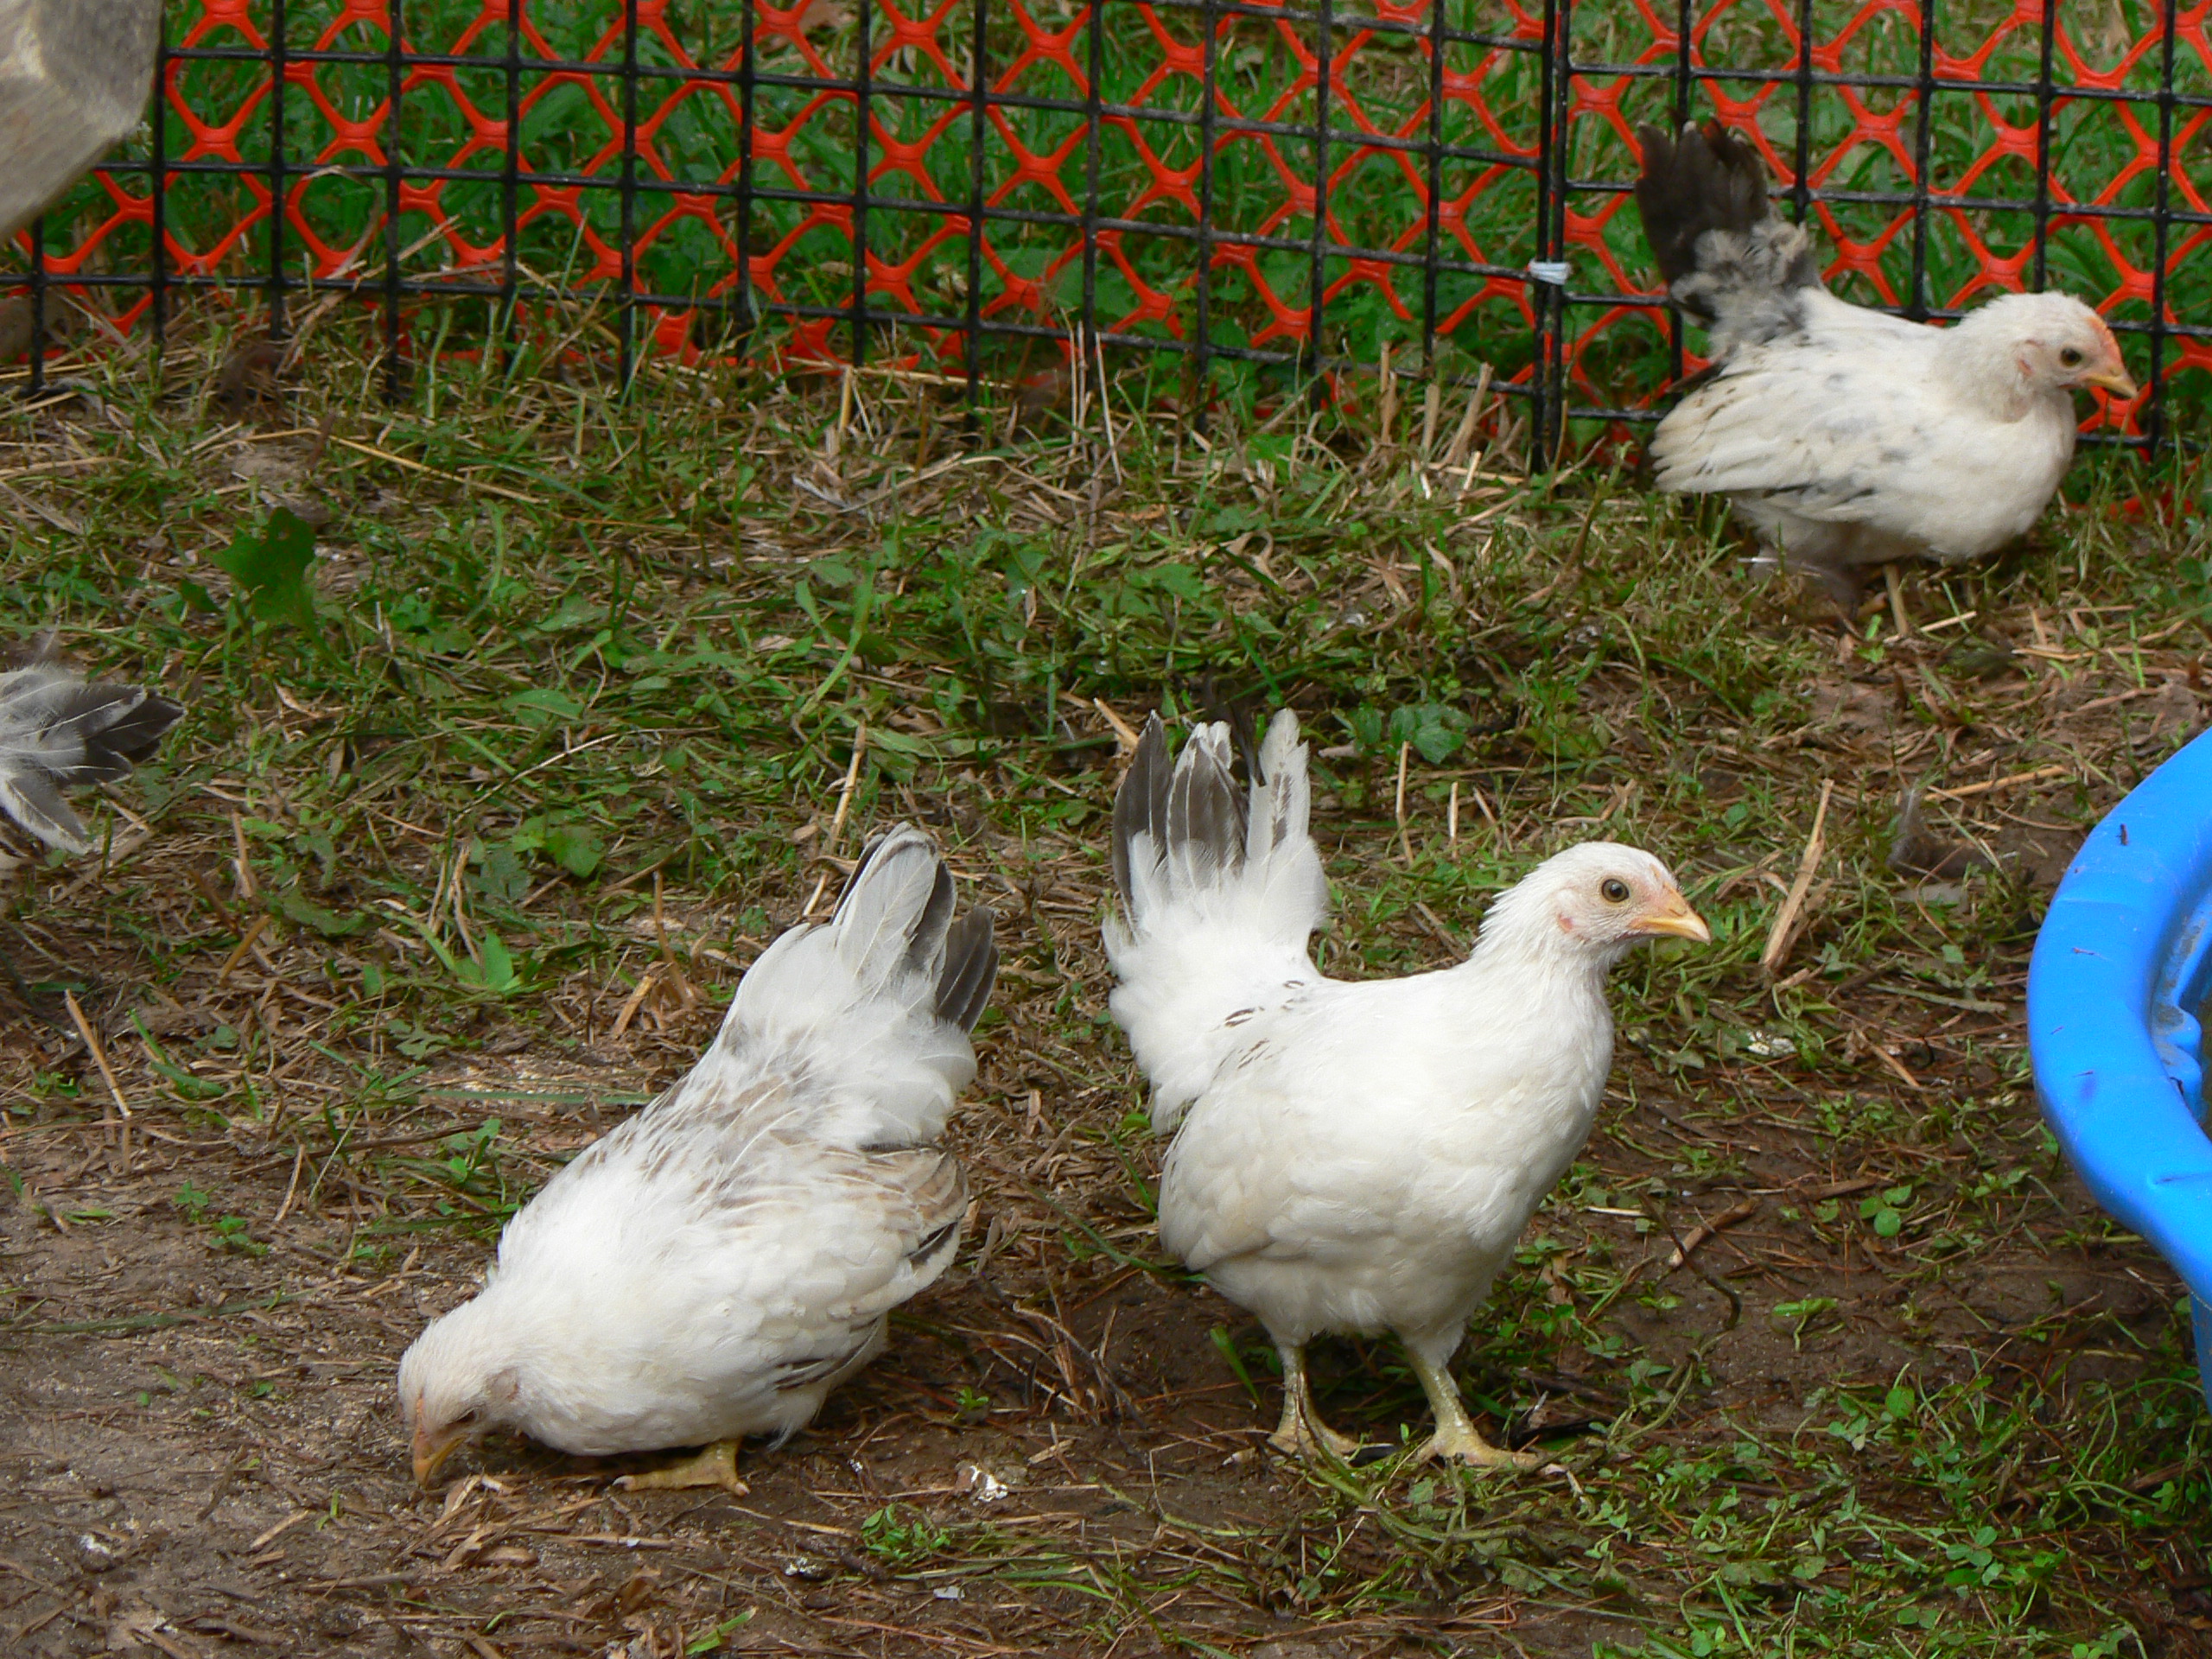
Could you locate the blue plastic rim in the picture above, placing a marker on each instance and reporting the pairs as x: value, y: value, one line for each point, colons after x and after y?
x: 2121, y: 971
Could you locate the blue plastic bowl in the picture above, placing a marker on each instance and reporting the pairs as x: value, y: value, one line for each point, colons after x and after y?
x: 2115, y: 995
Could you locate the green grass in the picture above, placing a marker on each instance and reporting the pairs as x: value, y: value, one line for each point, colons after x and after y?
x: 494, y: 759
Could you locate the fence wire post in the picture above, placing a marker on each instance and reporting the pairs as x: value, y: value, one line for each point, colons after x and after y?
x: 2043, y: 145
x: 627, y: 308
x: 979, y: 93
x: 395, y: 76
x: 746, y: 316
x: 1316, y: 299
x: 863, y: 82
x: 1435, y: 227
x: 1924, y: 150
x: 1202, y: 385
x: 279, y: 73
x: 1088, y: 341
x: 1685, y: 23
x: 1801, y: 182
x: 37, y: 382
x: 1550, y: 187
x: 2161, y: 222
x: 157, y: 118
x: 510, y: 194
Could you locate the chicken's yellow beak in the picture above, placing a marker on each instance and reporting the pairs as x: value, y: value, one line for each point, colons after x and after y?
x: 1672, y: 918
x: 433, y: 1449
x: 2115, y: 380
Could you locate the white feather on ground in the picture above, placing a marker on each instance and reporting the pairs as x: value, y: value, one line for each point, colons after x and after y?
x: 1354, y: 1157
x: 58, y: 730
x: 1847, y: 437
x: 715, y: 1266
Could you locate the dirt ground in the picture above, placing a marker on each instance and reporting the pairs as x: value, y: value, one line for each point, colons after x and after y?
x: 201, y: 1449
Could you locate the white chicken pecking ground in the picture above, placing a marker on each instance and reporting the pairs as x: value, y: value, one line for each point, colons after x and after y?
x: 1355, y: 1157
x: 1847, y: 437
x: 59, y: 730
x: 718, y: 1264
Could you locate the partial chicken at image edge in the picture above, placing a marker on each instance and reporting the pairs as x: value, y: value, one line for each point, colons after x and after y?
x: 718, y: 1264
x: 1846, y: 438
x: 59, y: 730
x: 1354, y: 1157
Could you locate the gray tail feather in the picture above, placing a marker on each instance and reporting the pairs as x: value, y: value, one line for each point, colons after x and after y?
x: 899, y: 906
x: 1281, y: 797
x: 1192, y: 813
x: 1140, y: 804
x: 1703, y: 198
x: 57, y: 729
x: 971, y: 966
x: 1205, y: 812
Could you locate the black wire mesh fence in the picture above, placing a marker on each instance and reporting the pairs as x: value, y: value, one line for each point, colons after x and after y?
x: 1220, y: 202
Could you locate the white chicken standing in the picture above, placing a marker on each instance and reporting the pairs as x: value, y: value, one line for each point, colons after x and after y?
x: 1847, y: 437
x: 58, y: 728
x: 1354, y: 1157
x: 715, y: 1266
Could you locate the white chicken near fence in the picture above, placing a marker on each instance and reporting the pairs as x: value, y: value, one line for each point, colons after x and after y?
x: 1847, y: 437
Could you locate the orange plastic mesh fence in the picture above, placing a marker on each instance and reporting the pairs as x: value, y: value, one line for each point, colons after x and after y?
x: 1228, y: 199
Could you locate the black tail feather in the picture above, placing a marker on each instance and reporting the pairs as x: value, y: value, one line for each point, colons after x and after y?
x: 1727, y: 256
x: 971, y: 966
x: 1705, y: 179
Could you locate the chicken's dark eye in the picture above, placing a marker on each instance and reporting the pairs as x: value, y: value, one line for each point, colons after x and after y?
x: 2070, y: 358
x: 1615, y: 889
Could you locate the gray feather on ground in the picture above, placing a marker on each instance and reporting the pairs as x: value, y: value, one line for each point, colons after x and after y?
x: 58, y: 730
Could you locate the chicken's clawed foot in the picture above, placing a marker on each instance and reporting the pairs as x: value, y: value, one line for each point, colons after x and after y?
x: 1456, y: 1437
x: 715, y: 1465
x: 1302, y: 1434
x: 1463, y: 1445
